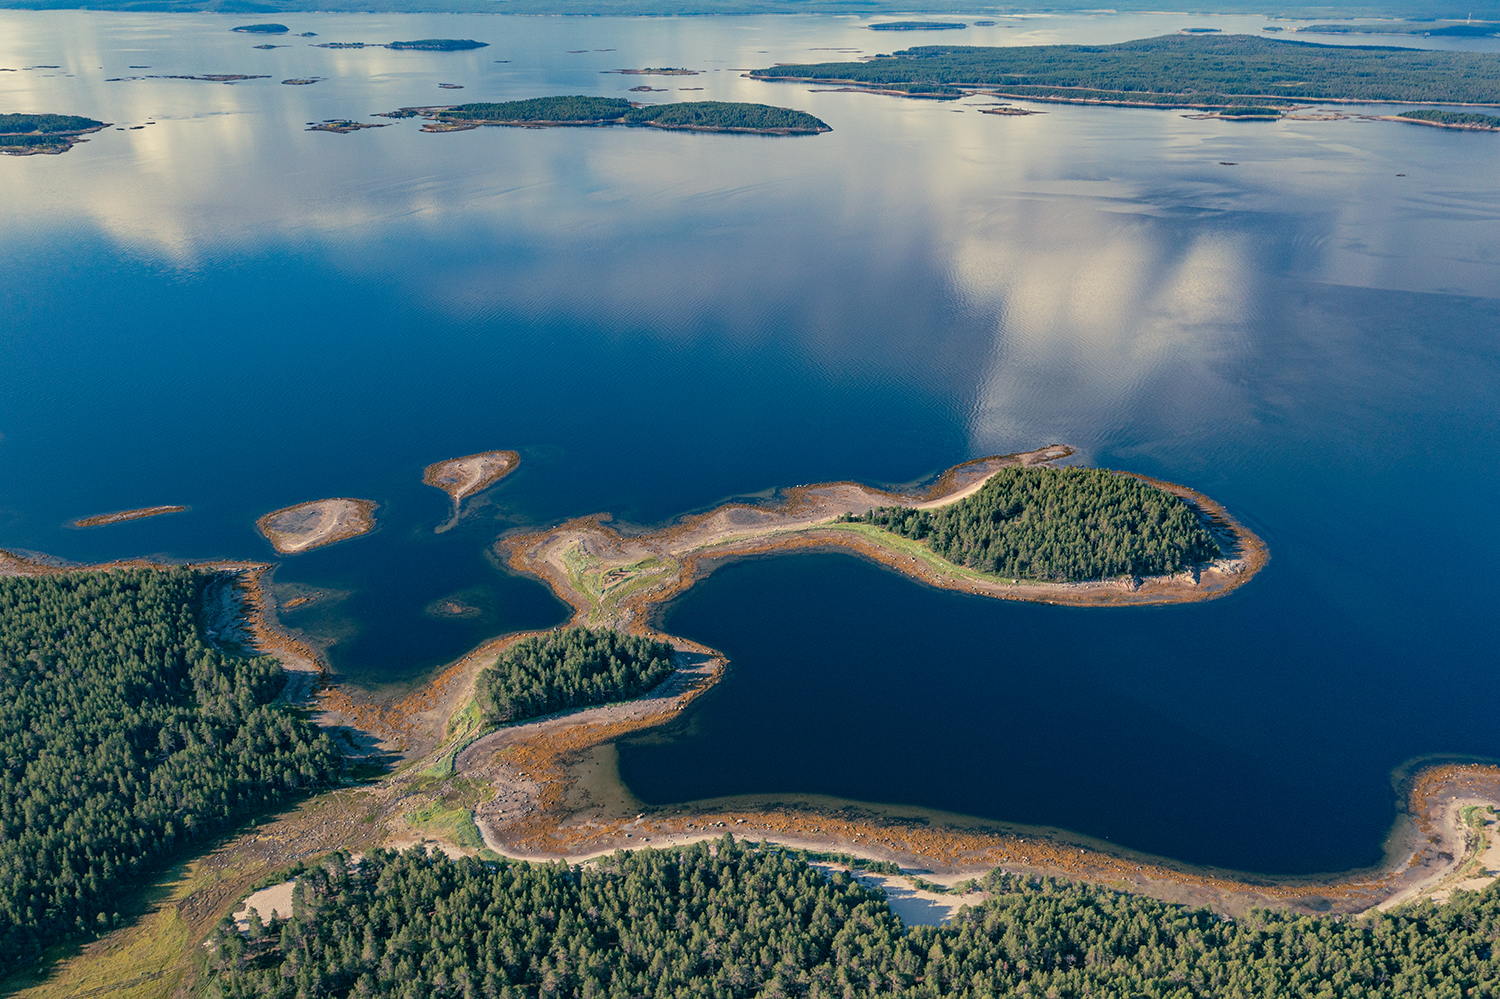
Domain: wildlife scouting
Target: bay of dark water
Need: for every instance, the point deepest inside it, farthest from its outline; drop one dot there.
(1300, 319)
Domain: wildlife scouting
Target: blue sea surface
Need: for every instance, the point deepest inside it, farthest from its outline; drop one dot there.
(1299, 318)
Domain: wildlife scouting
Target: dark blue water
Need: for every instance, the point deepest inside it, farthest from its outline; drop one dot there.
(1255, 732)
(1300, 318)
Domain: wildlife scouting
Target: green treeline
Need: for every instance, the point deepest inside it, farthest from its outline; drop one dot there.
(582, 110)
(723, 114)
(439, 45)
(1060, 524)
(569, 669)
(12, 124)
(1453, 117)
(729, 920)
(578, 108)
(124, 737)
(27, 141)
(1206, 68)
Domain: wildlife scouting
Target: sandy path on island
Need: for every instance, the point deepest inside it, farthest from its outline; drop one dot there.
(304, 526)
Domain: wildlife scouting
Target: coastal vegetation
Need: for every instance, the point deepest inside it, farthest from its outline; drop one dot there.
(568, 669)
(727, 115)
(733, 919)
(582, 110)
(1194, 70)
(571, 110)
(1465, 119)
(1058, 524)
(125, 737)
(45, 124)
(262, 29)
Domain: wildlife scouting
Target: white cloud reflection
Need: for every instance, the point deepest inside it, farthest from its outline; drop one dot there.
(1083, 267)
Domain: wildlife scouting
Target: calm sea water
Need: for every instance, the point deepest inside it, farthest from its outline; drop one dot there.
(223, 310)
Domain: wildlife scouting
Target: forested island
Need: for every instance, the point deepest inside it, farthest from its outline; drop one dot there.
(1060, 525)
(27, 134)
(1454, 119)
(126, 738)
(568, 669)
(728, 918)
(698, 116)
(1173, 71)
(439, 45)
(918, 25)
(262, 29)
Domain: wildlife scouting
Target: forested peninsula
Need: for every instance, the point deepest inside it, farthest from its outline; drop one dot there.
(1173, 71)
(697, 116)
(127, 738)
(1005, 526)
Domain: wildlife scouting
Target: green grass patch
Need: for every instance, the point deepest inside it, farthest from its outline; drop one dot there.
(451, 825)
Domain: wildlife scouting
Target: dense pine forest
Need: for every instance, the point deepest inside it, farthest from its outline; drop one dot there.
(124, 738)
(570, 109)
(12, 124)
(1453, 118)
(568, 669)
(731, 920)
(1059, 524)
(1176, 69)
(724, 114)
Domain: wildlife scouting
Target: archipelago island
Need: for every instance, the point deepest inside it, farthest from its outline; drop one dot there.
(29, 134)
(305, 526)
(552, 112)
(1204, 71)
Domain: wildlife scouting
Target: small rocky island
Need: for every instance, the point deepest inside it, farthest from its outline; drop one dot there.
(550, 112)
(462, 477)
(306, 526)
(28, 134)
(120, 516)
(657, 71)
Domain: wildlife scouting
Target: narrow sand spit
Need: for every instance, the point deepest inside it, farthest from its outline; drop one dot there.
(306, 526)
(100, 519)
